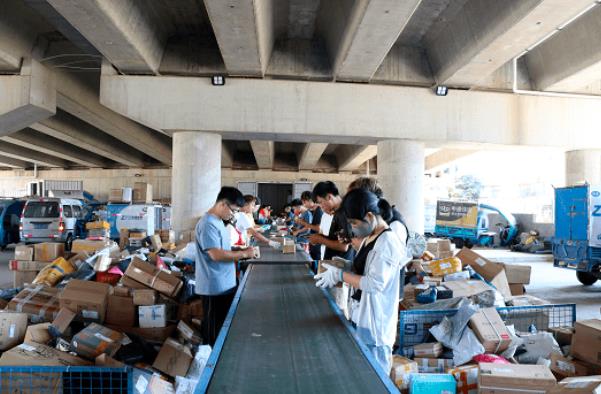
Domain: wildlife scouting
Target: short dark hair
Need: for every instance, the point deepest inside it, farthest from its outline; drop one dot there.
(306, 196)
(231, 195)
(249, 199)
(322, 189)
(296, 203)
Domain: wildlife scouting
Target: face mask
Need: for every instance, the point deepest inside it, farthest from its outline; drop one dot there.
(364, 229)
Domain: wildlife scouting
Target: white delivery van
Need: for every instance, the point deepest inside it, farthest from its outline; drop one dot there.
(50, 219)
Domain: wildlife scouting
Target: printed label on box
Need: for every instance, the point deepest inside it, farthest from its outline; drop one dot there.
(89, 314)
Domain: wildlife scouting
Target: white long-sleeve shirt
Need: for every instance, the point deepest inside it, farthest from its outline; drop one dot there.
(377, 314)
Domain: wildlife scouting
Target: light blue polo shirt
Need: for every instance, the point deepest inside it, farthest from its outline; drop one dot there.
(213, 278)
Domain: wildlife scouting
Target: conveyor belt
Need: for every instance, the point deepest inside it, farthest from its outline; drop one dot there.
(285, 337)
(272, 256)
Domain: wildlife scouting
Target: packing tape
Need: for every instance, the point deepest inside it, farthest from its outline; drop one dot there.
(495, 330)
(32, 293)
(43, 309)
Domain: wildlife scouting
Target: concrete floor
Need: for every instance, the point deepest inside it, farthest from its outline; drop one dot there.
(556, 285)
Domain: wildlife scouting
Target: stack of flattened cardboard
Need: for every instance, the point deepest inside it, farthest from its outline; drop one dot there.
(491, 272)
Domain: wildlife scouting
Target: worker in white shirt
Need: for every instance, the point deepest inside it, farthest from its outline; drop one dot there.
(374, 274)
(246, 227)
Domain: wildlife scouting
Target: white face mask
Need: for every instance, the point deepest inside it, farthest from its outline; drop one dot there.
(365, 229)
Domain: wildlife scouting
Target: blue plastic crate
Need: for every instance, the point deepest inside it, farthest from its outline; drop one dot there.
(414, 325)
(68, 380)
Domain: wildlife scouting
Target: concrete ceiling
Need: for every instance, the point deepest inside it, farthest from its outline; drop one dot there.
(467, 44)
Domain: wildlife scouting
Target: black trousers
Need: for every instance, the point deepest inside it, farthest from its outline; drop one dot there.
(215, 309)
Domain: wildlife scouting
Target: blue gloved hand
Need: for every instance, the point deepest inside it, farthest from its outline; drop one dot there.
(329, 278)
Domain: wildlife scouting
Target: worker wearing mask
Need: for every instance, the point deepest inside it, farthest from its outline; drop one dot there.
(374, 274)
(337, 242)
(215, 262)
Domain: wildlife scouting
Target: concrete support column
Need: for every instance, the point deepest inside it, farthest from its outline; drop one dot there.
(401, 176)
(583, 166)
(196, 177)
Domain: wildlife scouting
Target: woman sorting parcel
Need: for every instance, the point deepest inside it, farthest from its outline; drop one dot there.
(374, 274)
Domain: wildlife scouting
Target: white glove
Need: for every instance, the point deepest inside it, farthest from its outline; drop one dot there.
(275, 245)
(329, 278)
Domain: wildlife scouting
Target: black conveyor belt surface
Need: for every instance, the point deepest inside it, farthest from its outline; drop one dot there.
(271, 256)
(286, 338)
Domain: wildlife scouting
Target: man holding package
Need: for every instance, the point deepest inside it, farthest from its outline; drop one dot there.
(216, 262)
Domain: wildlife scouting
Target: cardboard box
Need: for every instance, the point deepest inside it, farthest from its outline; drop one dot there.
(586, 342)
(578, 385)
(91, 246)
(95, 339)
(12, 329)
(24, 252)
(467, 288)
(517, 273)
(102, 263)
(288, 246)
(161, 280)
(490, 330)
(444, 245)
(188, 333)
(122, 291)
(123, 194)
(21, 278)
(466, 377)
(401, 369)
(39, 302)
(514, 378)
(155, 240)
(433, 280)
(27, 265)
(432, 383)
(157, 335)
(517, 289)
(563, 367)
(433, 365)
(563, 335)
(61, 322)
(48, 251)
(192, 310)
(37, 354)
(104, 360)
(335, 263)
(38, 333)
(143, 297)
(142, 193)
(428, 350)
(120, 311)
(87, 299)
(131, 283)
(491, 272)
(174, 359)
(153, 316)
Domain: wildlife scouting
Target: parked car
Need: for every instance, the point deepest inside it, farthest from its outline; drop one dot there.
(10, 211)
(50, 220)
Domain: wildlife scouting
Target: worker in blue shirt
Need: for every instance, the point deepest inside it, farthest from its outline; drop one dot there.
(216, 262)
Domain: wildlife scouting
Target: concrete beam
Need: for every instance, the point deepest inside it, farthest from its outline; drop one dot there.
(18, 152)
(245, 34)
(264, 152)
(16, 41)
(227, 156)
(445, 156)
(351, 157)
(310, 154)
(359, 38)
(82, 101)
(73, 131)
(13, 163)
(39, 142)
(487, 34)
(26, 98)
(121, 30)
(302, 111)
(570, 59)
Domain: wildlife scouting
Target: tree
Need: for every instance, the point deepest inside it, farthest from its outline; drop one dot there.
(467, 187)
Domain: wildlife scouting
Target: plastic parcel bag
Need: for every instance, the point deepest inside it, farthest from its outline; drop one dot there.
(536, 346)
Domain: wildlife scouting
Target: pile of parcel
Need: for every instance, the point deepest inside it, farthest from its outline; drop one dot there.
(104, 304)
(466, 326)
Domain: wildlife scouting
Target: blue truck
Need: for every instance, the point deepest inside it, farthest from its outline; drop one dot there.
(466, 223)
(577, 240)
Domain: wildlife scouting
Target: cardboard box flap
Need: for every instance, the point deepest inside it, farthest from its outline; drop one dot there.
(516, 376)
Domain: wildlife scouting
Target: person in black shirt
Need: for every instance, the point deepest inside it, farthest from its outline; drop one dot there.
(337, 242)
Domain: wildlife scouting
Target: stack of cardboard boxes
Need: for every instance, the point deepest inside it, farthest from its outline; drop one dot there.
(31, 259)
